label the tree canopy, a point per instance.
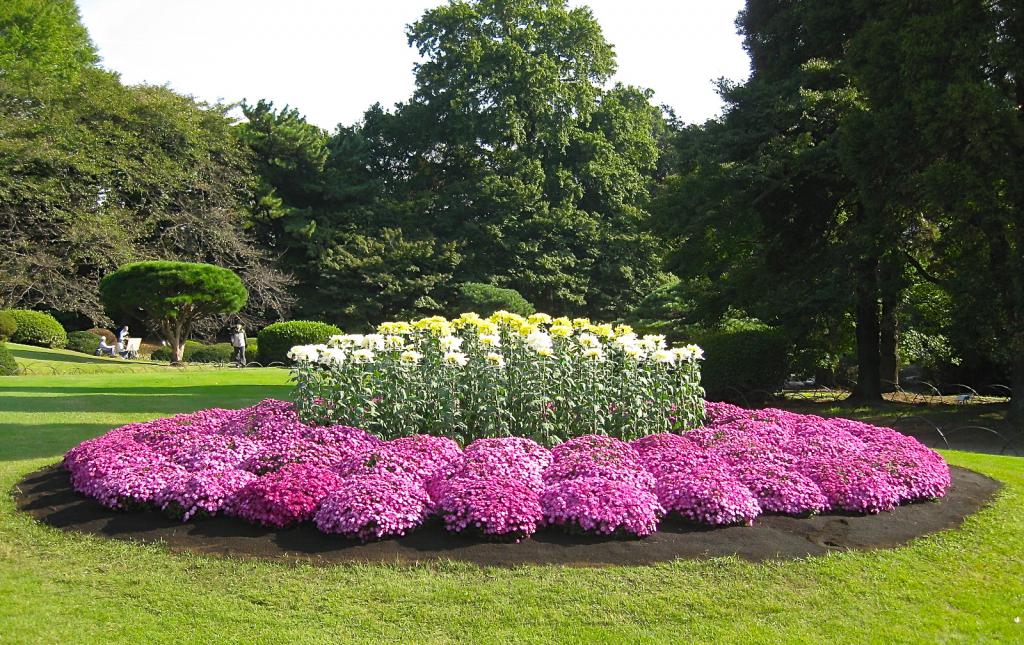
(172, 296)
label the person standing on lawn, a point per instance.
(238, 343)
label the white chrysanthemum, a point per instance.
(304, 353)
(544, 351)
(373, 341)
(411, 357)
(634, 351)
(363, 355)
(625, 340)
(347, 340)
(663, 356)
(538, 340)
(450, 343)
(490, 340)
(696, 351)
(495, 358)
(589, 341)
(332, 356)
(657, 340)
(457, 359)
(594, 354)
(395, 342)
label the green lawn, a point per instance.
(962, 586)
(41, 361)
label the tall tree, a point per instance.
(94, 174)
(533, 169)
(763, 203)
(946, 85)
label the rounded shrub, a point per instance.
(485, 299)
(219, 353)
(277, 339)
(85, 342)
(8, 325)
(37, 328)
(8, 366)
(744, 356)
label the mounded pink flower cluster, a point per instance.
(263, 465)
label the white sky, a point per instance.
(332, 59)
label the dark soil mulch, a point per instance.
(47, 496)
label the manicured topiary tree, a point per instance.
(172, 296)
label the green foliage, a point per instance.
(218, 353)
(94, 173)
(511, 164)
(165, 353)
(172, 296)
(277, 339)
(8, 366)
(485, 299)
(8, 326)
(37, 328)
(547, 390)
(84, 342)
(742, 356)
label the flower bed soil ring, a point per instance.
(259, 483)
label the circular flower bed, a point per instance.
(263, 465)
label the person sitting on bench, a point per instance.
(105, 348)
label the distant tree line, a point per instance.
(861, 192)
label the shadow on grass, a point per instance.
(35, 441)
(134, 399)
(28, 354)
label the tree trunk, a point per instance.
(869, 385)
(1016, 411)
(888, 343)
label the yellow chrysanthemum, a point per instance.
(486, 327)
(579, 323)
(394, 327)
(623, 330)
(561, 320)
(604, 331)
(538, 319)
(561, 331)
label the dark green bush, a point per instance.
(37, 328)
(275, 340)
(219, 353)
(164, 353)
(742, 357)
(85, 342)
(485, 299)
(8, 325)
(8, 366)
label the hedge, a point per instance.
(37, 328)
(742, 357)
(85, 342)
(277, 339)
(485, 299)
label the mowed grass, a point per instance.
(43, 361)
(965, 585)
